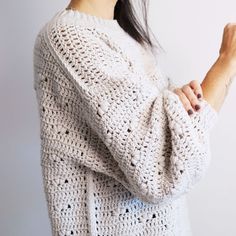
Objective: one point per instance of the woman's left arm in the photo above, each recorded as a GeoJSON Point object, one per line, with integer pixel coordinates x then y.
{"type": "Point", "coordinates": [215, 86]}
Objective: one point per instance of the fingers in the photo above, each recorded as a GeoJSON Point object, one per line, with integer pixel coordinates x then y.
{"type": "Point", "coordinates": [190, 95]}
{"type": "Point", "coordinates": [196, 86]}
{"type": "Point", "coordinates": [184, 100]}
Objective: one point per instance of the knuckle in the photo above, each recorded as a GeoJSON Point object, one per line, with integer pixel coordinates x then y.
{"type": "Point", "coordinates": [194, 82]}
{"type": "Point", "coordinates": [177, 90]}
{"type": "Point", "coordinates": [185, 87]}
{"type": "Point", "coordinates": [186, 104]}
{"type": "Point", "coordinates": [193, 100]}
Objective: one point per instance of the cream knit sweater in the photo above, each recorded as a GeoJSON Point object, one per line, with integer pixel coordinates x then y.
{"type": "Point", "coordinates": [118, 150]}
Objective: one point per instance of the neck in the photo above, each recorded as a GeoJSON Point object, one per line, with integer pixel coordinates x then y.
{"type": "Point", "coordinates": [101, 8]}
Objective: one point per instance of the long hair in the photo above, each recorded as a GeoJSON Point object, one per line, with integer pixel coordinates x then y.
{"type": "Point", "coordinates": [126, 15]}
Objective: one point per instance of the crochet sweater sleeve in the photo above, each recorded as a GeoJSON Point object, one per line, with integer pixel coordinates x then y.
{"type": "Point", "coordinates": [129, 115]}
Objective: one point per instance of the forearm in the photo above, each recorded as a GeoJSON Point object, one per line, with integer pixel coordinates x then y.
{"type": "Point", "coordinates": [217, 82]}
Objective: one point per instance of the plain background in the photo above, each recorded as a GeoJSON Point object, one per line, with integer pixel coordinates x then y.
{"type": "Point", "coordinates": [190, 32]}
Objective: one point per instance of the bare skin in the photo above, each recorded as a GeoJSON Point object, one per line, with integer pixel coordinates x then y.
{"type": "Point", "coordinates": [214, 87]}
{"type": "Point", "coordinates": [101, 8]}
{"type": "Point", "coordinates": [218, 79]}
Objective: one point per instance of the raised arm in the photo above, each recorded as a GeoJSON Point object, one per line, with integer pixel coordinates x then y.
{"type": "Point", "coordinates": [217, 82]}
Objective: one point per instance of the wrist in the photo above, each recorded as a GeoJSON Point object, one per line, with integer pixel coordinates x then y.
{"type": "Point", "coordinates": [226, 66]}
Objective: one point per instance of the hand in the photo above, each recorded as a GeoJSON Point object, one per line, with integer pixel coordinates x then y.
{"type": "Point", "coordinates": [228, 48]}
{"type": "Point", "coordinates": [190, 94]}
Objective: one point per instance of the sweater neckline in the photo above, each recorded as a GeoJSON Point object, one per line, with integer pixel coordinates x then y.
{"type": "Point", "coordinates": [89, 18]}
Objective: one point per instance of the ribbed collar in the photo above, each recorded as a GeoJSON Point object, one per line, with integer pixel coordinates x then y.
{"type": "Point", "coordinates": [88, 18]}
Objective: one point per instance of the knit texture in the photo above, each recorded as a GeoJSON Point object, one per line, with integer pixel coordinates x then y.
{"type": "Point", "coordinates": [119, 151]}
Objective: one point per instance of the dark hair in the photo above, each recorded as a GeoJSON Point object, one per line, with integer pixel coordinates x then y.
{"type": "Point", "coordinates": [126, 15]}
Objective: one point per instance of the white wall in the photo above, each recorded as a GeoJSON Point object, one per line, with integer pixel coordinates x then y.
{"type": "Point", "coordinates": [22, 203]}
{"type": "Point", "coordinates": [189, 31]}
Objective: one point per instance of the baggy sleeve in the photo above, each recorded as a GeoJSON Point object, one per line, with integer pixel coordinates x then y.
{"type": "Point", "coordinates": [160, 149]}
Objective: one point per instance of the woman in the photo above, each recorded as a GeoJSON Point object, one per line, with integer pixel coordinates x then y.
{"type": "Point", "coordinates": [121, 145]}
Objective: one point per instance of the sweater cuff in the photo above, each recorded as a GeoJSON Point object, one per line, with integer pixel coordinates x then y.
{"type": "Point", "coordinates": [207, 117]}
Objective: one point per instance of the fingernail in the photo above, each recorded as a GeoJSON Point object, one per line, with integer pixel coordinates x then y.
{"type": "Point", "coordinates": [190, 111]}
{"type": "Point", "coordinates": [199, 95]}
{"type": "Point", "coordinates": [197, 107]}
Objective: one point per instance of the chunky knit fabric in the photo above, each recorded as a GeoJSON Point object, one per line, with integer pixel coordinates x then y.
{"type": "Point", "coordinates": [119, 151]}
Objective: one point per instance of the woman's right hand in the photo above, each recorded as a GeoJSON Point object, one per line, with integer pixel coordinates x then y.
{"type": "Point", "coordinates": [228, 48]}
